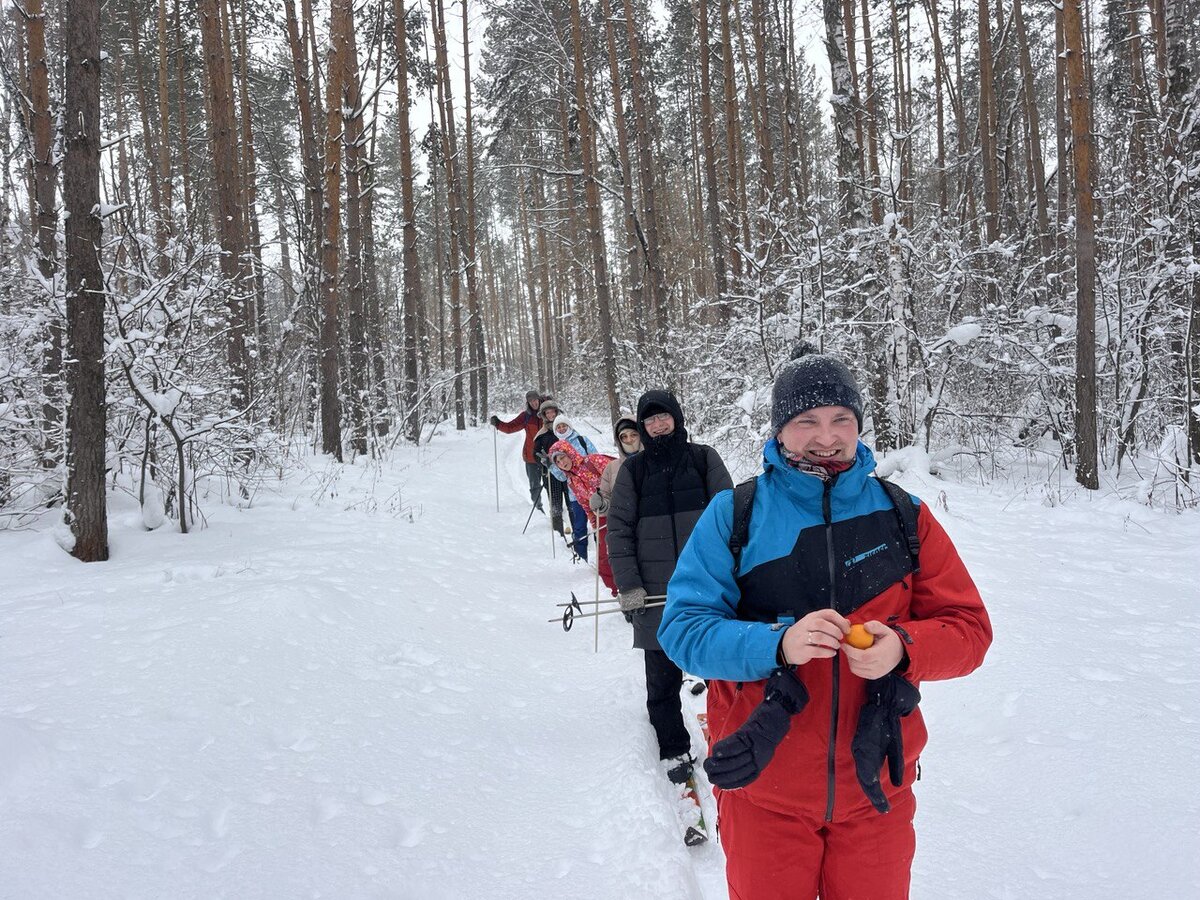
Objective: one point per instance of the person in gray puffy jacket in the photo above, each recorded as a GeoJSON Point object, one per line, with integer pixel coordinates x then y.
{"type": "Point", "coordinates": [658, 497]}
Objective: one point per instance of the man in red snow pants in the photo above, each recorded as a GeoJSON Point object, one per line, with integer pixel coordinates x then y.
{"type": "Point", "coordinates": [814, 740]}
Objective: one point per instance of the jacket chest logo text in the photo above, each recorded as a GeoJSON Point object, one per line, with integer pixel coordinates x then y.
{"type": "Point", "coordinates": [855, 560]}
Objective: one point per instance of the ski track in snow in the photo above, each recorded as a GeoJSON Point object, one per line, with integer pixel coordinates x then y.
{"type": "Point", "coordinates": [311, 700]}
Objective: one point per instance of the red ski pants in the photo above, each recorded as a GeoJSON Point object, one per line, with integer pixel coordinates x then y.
{"type": "Point", "coordinates": [771, 856]}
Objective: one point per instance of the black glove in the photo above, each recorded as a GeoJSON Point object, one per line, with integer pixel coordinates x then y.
{"type": "Point", "coordinates": [879, 738]}
{"type": "Point", "coordinates": [737, 760]}
{"type": "Point", "coordinates": [495, 420]}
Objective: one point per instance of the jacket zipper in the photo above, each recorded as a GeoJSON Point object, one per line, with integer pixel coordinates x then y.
{"type": "Point", "coordinates": [826, 508]}
{"type": "Point", "coordinates": [671, 505]}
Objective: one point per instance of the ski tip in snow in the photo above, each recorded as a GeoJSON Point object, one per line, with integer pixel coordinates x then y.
{"type": "Point", "coordinates": [691, 814]}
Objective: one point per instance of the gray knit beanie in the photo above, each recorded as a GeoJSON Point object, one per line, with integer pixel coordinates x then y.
{"type": "Point", "coordinates": [810, 379]}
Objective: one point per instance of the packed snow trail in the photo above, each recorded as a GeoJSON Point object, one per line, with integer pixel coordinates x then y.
{"type": "Point", "coordinates": [304, 700]}
{"type": "Point", "coordinates": [350, 689]}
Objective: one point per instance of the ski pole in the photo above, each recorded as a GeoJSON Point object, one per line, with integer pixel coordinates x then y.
{"type": "Point", "coordinates": [575, 603]}
{"type": "Point", "coordinates": [496, 468]}
{"type": "Point", "coordinates": [596, 544]}
{"type": "Point", "coordinates": [569, 615]}
{"type": "Point", "coordinates": [529, 518]}
{"type": "Point", "coordinates": [550, 503]}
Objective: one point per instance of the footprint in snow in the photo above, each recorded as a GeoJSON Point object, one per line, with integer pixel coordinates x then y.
{"type": "Point", "coordinates": [326, 810]}
{"type": "Point", "coordinates": [299, 740]}
{"type": "Point", "coordinates": [88, 836]}
{"type": "Point", "coordinates": [218, 823]}
{"type": "Point", "coordinates": [411, 833]}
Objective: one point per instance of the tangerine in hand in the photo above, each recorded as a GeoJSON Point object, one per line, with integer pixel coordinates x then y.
{"type": "Point", "coordinates": [859, 637]}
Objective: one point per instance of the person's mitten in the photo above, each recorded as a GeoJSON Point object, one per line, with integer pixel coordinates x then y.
{"type": "Point", "coordinates": [495, 420]}
{"type": "Point", "coordinates": [632, 599]}
{"type": "Point", "coordinates": [879, 736]}
{"type": "Point", "coordinates": [737, 760]}
{"type": "Point", "coordinates": [598, 504]}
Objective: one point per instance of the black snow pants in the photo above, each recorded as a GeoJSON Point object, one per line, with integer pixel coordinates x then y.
{"type": "Point", "coordinates": [664, 680]}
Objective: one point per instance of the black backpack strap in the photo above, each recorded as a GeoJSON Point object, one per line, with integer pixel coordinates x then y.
{"type": "Point", "coordinates": [906, 511]}
{"type": "Point", "coordinates": [743, 505]}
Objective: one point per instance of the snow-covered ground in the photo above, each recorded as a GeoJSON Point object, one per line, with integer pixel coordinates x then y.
{"type": "Point", "coordinates": [351, 690]}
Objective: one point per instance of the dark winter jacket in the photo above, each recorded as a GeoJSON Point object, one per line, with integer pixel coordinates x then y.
{"type": "Point", "coordinates": [814, 545]}
{"type": "Point", "coordinates": [658, 497]}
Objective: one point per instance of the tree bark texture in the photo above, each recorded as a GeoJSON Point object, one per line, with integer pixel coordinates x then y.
{"type": "Point", "coordinates": [84, 511]}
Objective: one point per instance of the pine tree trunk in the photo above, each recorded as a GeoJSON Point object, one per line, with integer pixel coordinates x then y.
{"type": "Point", "coordinates": [411, 258]}
{"type": "Point", "coordinates": [595, 226]}
{"type": "Point", "coordinates": [845, 132]}
{"type": "Point", "coordinates": [733, 206]}
{"type": "Point", "coordinates": [356, 334]}
{"type": "Point", "coordinates": [84, 510]}
{"type": "Point", "coordinates": [540, 339]}
{"type": "Point", "coordinates": [228, 206]}
{"type": "Point", "coordinates": [479, 398]}
{"type": "Point", "coordinates": [1035, 133]}
{"type": "Point", "coordinates": [643, 130]}
{"type": "Point", "coordinates": [570, 249]}
{"type": "Point", "coordinates": [871, 115]}
{"type": "Point", "coordinates": [633, 245]}
{"type": "Point", "coordinates": [766, 148]}
{"type": "Point", "coordinates": [250, 196]}
{"type": "Point", "coordinates": [550, 336]}
{"type": "Point", "coordinates": [1061, 131]}
{"type": "Point", "coordinates": [331, 297]}
{"type": "Point", "coordinates": [987, 127]}
{"type": "Point", "coordinates": [709, 145]}
{"type": "Point", "coordinates": [150, 139]}
{"type": "Point", "coordinates": [457, 251]}
{"type": "Point", "coordinates": [164, 120]}
{"type": "Point", "coordinates": [185, 165]}
{"type": "Point", "coordinates": [1086, 472]}
{"type": "Point", "coordinates": [45, 223]}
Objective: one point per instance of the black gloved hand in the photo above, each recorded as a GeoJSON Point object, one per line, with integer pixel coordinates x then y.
{"type": "Point", "coordinates": [495, 420]}
{"type": "Point", "coordinates": [737, 760]}
{"type": "Point", "coordinates": [879, 737]}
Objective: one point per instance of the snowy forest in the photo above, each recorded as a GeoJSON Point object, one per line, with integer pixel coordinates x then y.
{"type": "Point", "coordinates": [232, 230]}
{"type": "Point", "coordinates": [270, 270]}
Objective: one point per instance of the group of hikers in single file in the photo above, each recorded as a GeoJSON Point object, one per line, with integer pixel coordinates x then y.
{"type": "Point", "coordinates": [814, 730]}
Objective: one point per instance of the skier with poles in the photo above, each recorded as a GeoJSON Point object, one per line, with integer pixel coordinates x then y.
{"type": "Point", "coordinates": [529, 422]}
{"type": "Point", "coordinates": [805, 710]}
{"type": "Point", "coordinates": [657, 499]}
